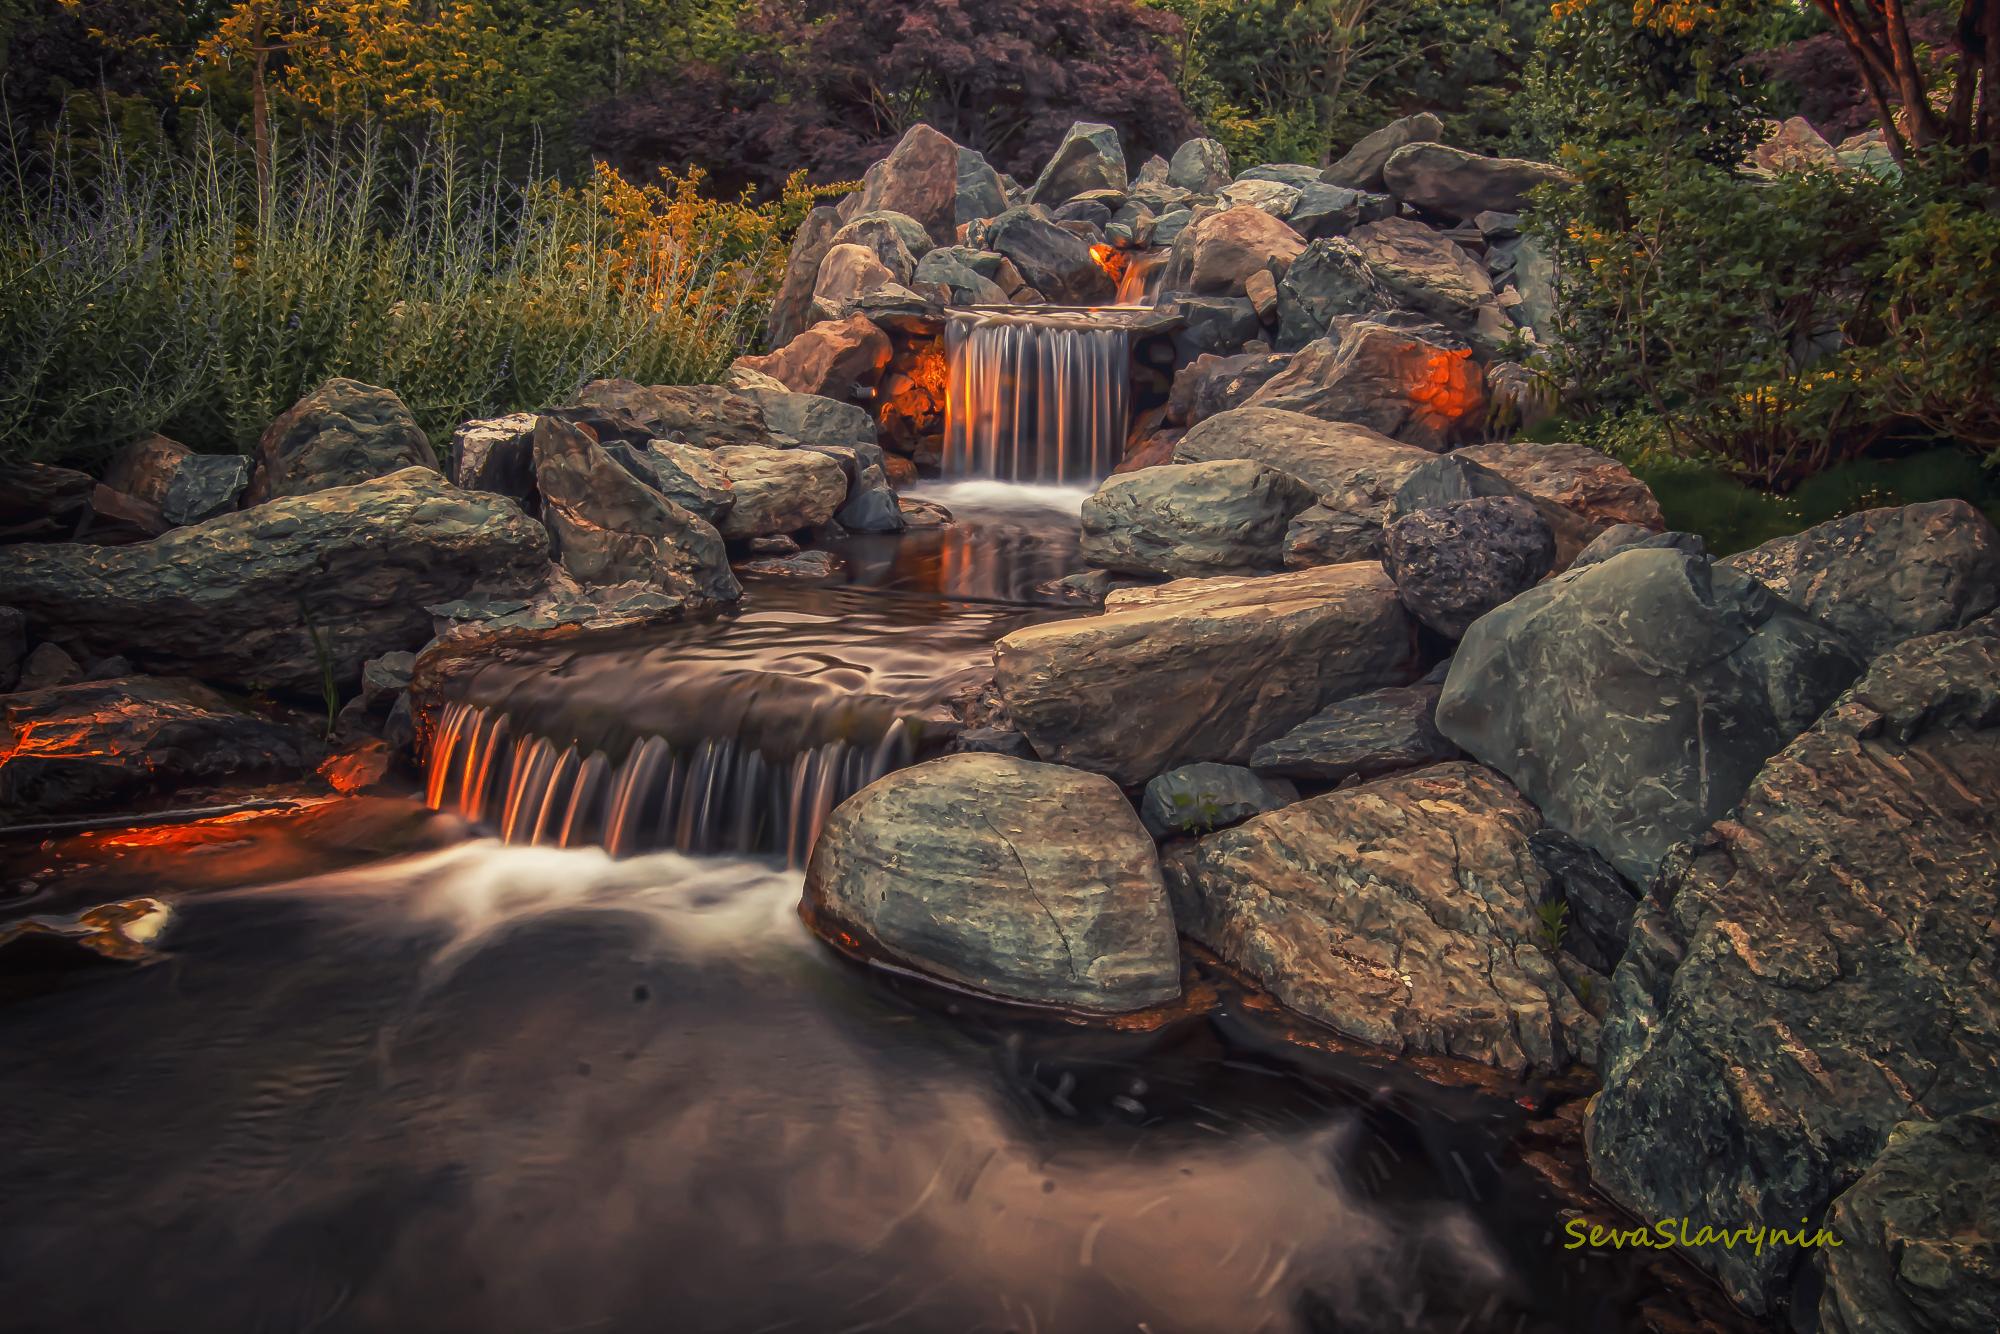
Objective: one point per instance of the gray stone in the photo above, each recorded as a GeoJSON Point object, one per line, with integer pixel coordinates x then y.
{"type": "Point", "coordinates": [1329, 535]}
{"type": "Point", "coordinates": [1813, 971]}
{"type": "Point", "coordinates": [1211, 384]}
{"type": "Point", "coordinates": [1455, 563]}
{"type": "Point", "coordinates": [1330, 278]}
{"type": "Point", "coordinates": [1202, 798]}
{"type": "Point", "coordinates": [1361, 168]}
{"type": "Point", "coordinates": [1627, 536]}
{"type": "Point", "coordinates": [608, 527]}
{"type": "Point", "coordinates": [1168, 226]}
{"type": "Point", "coordinates": [1332, 210]}
{"type": "Point", "coordinates": [1634, 700]}
{"type": "Point", "coordinates": [1885, 575]}
{"type": "Point", "coordinates": [1598, 903]}
{"type": "Point", "coordinates": [341, 433]}
{"type": "Point", "coordinates": [1213, 326]}
{"type": "Point", "coordinates": [1445, 480]}
{"type": "Point", "coordinates": [779, 490]}
{"type": "Point", "coordinates": [1026, 881]}
{"type": "Point", "coordinates": [951, 267]}
{"type": "Point", "coordinates": [1580, 479]}
{"type": "Point", "coordinates": [205, 486]}
{"type": "Point", "coordinates": [1199, 165]}
{"type": "Point", "coordinates": [689, 476]}
{"type": "Point", "coordinates": [930, 178]}
{"type": "Point", "coordinates": [1270, 197]}
{"type": "Point", "coordinates": [871, 505]}
{"type": "Point", "coordinates": [813, 419]}
{"type": "Point", "coordinates": [1365, 736]}
{"type": "Point", "coordinates": [496, 454]}
{"type": "Point", "coordinates": [1408, 387]}
{"type": "Point", "coordinates": [1401, 912]}
{"type": "Point", "coordinates": [1426, 272]}
{"type": "Point", "coordinates": [1087, 211]}
{"type": "Point", "coordinates": [240, 599]}
{"type": "Point", "coordinates": [1089, 158]}
{"type": "Point", "coordinates": [897, 240]}
{"type": "Point", "coordinates": [699, 414]}
{"type": "Point", "coordinates": [1202, 669]}
{"type": "Point", "coordinates": [1333, 458]}
{"type": "Point", "coordinates": [791, 310]}
{"type": "Point", "coordinates": [1054, 262]}
{"type": "Point", "coordinates": [1458, 184]}
{"type": "Point", "coordinates": [1227, 517]}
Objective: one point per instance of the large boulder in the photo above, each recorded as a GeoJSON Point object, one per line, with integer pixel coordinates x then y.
{"type": "Point", "coordinates": [185, 487]}
{"type": "Point", "coordinates": [835, 359]}
{"type": "Point", "coordinates": [1199, 165]}
{"type": "Point", "coordinates": [897, 239]}
{"type": "Point", "coordinates": [849, 273]}
{"type": "Point", "coordinates": [779, 490]}
{"type": "Point", "coordinates": [253, 598]}
{"type": "Point", "coordinates": [1884, 575]}
{"type": "Point", "coordinates": [812, 419]}
{"type": "Point", "coordinates": [1055, 262]}
{"type": "Point", "coordinates": [1331, 278]}
{"type": "Point", "coordinates": [1427, 272]}
{"type": "Point", "coordinates": [1577, 477]}
{"type": "Point", "coordinates": [1210, 384]}
{"type": "Point", "coordinates": [700, 414]}
{"type": "Point", "coordinates": [608, 527]}
{"type": "Point", "coordinates": [1227, 517]}
{"type": "Point", "coordinates": [1633, 701]}
{"type": "Point", "coordinates": [1458, 184]}
{"type": "Point", "coordinates": [1364, 736]}
{"type": "Point", "coordinates": [1813, 971]}
{"type": "Point", "coordinates": [1454, 563]}
{"type": "Point", "coordinates": [1402, 912]}
{"type": "Point", "coordinates": [688, 475]}
{"type": "Point", "coordinates": [1326, 534]}
{"type": "Point", "coordinates": [930, 178]}
{"type": "Point", "coordinates": [1335, 459]}
{"type": "Point", "coordinates": [1917, 1234]}
{"type": "Point", "coordinates": [1409, 388]}
{"type": "Point", "coordinates": [1361, 168]}
{"type": "Point", "coordinates": [1202, 669]}
{"type": "Point", "coordinates": [496, 454]}
{"type": "Point", "coordinates": [1026, 881]}
{"type": "Point", "coordinates": [1214, 255]}
{"type": "Point", "coordinates": [79, 747]}
{"type": "Point", "coordinates": [1332, 210]}
{"type": "Point", "coordinates": [341, 433]}
{"type": "Point", "coordinates": [791, 309]}
{"type": "Point", "coordinates": [1088, 158]}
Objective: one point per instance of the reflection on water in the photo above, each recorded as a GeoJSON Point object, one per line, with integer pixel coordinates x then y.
{"type": "Point", "coordinates": [1007, 540]}
{"type": "Point", "coordinates": [496, 1089]}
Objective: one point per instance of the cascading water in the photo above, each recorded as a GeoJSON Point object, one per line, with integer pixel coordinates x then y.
{"type": "Point", "coordinates": [1036, 396]}
{"type": "Point", "coordinates": [1139, 281]}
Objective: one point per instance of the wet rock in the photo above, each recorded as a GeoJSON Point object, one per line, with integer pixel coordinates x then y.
{"type": "Point", "coordinates": [1227, 517]}
{"type": "Point", "coordinates": [1454, 563]}
{"type": "Point", "coordinates": [1202, 798]}
{"type": "Point", "coordinates": [47, 665]}
{"type": "Point", "coordinates": [86, 745]}
{"type": "Point", "coordinates": [804, 565]}
{"type": "Point", "coordinates": [231, 598]}
{"type": "Point", "coordinates": [1916, 1233]}
{"type": "Point", "coordinates": [923, 513]}
{"type": "Point", "coordinates": [792, 308]}
{"type": "Point", "coordinates": [111, 933]}
{"type": "Point", "coordinates": [1333, 458]}
{"type": "Point", "coordinates": [1598, 903]}
{"type": "Point", "coordinates": [700, 414]}
{"type": "Point", "coordinates": [1212, 384]}
{"type": "Point", "coordinates": [1026, 881]}
{"type": "Point", "coordinates": [836, 359]}
{"type": "Point", "coordinates": [1202, 669]}
{"type": "Point", "coordinates": [779, 490]}
{"type": "Point", "coordinates": [992, 741]}
{"type": "Point", "coordinates": [1458, 184]}
{"type": "Point", "coordinates": [1328, 535]}
{"type": "Point", "coordinates": [1389, 380]}
{"type": "Point", "coordinates": [496, 454]}
{"type": "Point", "coordinates": [1330, 279]}
{"type": "Point", "coordinates": [608, 527]}
{"type": "Point", "coordinates": [1216, 253]}
{"type": "Point", "coordinates": [1361, 167]}
{"type": "Point", "coordinates": [1089, 158]}
{"type": "Point", "coordinates": [1885, 575]}
{"type": "Point", "coordinates": [871, 505]}
{"type": "Point", "coordinates": [1815, 970]}
{"type": "Point", "coordinates": [13, 646]}
{"type": "Point", "coordinates": [1054, 262]}
{"type": "Point", "coordinates": [1365, 736]}
{"type": "Point", "coordinates": [341, 433]}
{"type": "Point", "coordinates": [1200, 165]}
{"type": "Point", "coordinates": [1425, 272]}
{"type": "Point", "coordinates": [1401, 912]}
{"type": "Point", "coordinates": [1594, 485]}
{"type": "Point", "coordinates": [1628, 536]}
{"type": "Point", "coordinates": [1634, 700]}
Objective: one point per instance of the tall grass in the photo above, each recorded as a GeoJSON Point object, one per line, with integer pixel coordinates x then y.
{"type": "Point", "coordinates": [148, 291]}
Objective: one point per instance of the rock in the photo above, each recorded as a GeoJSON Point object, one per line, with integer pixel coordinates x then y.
{"type": "Point", "coordinates": [1916, 1233]}
{"type": "Point", "coordinates": [1227, 517]}
{"type": "Point", "coordinates": [608, 527]}
{"type": "Point", "coordinates": [1168, 226]}
{"type": "Point", "coordinates": [341, 433]}
{"type": "Point", "coordinates": [1202, 669]}
{"type": "Point", "coordinates": [83, 746]}
{"type": "Point", "coordinates": [1886, 575]}
{"type": "Point", "coordinates": [1520, 399]}
{"type": "Point", "coordinates": [41, 502]}
{"type": "Point", "coordinates": [1217, 253]}
{"type": "Point", "coordinates": [1401, 912]}
{"type": "Point", "coordinates": [204, 487]}
{"type": "Point", "coordinates": [1330, 279]}
{"type": "Point", "coordinates": [1087, 211]}
{"type": "Point", "coordinates": [1445, 480]}
{"type": "Point", "coordinates": [700, 414]}
{"type": "Point", "coordinates": [1211, 384]}
{"type": "Point", "coordinates": [1026, 881]}
{"type": "Point", "coordinates": [1200, 165]}
{"type": "Point", "coordinates": [1089, 158]}
{"type": "Point", "coordinates": [791, 310]}
{"type": "Point", "coordinates": [689, 476]}
{"type": "Point", "coordinates": [1331, 210]}
{"type": "Point", "coordinates": [1328, 535]}
{"type": "Point", "coordinates": [1458, 184]}
{"type": "Point", "coordinates": [1202, 798]}
{"type": "Point", "coordinates": [496, 454]}
{"type": "Point", "coordinates": [992, 741]}
{"type": "Point", "coordinates": [1271, 197]}
{"type": "Point", "coordinates": [110, 933]}
{"type": "Point", "coordinates": [13, 646]}
{"type": "Point", "coordinates": [1052, 261]}
{"type": "Point", "coordinates": [811, 419]}
{"type": "Point", "coordinates": [950, 266]}
{"type": "Point", "coordinates": [836, 359]}
{"type": "Point", "coordinates": [1333, 458]}
{"type": "Point", "coordinates": [47, 665]}
{"type": "Point", "coordinates": [803, 565]}
{"type": "Point", "coordinates": [1794, 145]}
{"type": "Point", "coordinates": [144, 468]}
{"type": "Point", "coordinates": [1454, 563]}
{"type": "Point", "coordinates": [1389, 380]}
{"type": "Point", "coordinates": [1815, 970]}
{"type": "Point", "coordinates": [1580, 479]}
{"type": "Point", "coordinates": [1218, 326]}
{"type": "Point", "coordinates": [931, 179]}
{"type": "Point", "coordinates": [1598, 904]}
{"type": "Point", "coordinates": [779, 490]}
{"type": "Point", "coordinates": [1262, 290]}
{"type": "Point", "coordinates": [896, 239]}
{"type": "Point", "coordinates": [1869, 151]}
{"type": "Point", "coordinates": [1626, 536]}
{"type": "Point", "coordinates": [1365, 736]}
{"type": "Point", "coordinates": [1361, 168]}
{"type": "Point", "coordinates": [231, 598]}
{"type": "Point", "coordinates": [871, 506]}
{"type": "Point", "coordinates": [1634, 700]}
{"type": "Point", "coordinates": [982, 191]}
{"type": "Point", "coordinates": [1425, 272]}
{"type": "Point", "coordinates": [848, 273]}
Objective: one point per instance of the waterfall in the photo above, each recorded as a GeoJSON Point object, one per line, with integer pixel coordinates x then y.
{"type": "Point", "coordinates": [1139, 284]}
{"type": "Point", "coordinates": [1035, 396]}
{"type": "Point", "coordinates": [719, 794]}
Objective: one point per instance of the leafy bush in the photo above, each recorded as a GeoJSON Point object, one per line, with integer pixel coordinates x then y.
{"type": "Point", "coordinates": [142, 293]}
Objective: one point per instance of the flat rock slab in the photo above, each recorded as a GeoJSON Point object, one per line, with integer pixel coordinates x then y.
{"type": "Point", "coordinates": [1401, 912]}
{"type": "Point", "coordinates": [1026, 881]}
{"type": "Point", "coordinates": [1202, 669]}
{"type": "Point", "coordinates": [779, 490]}
{"type": "Point", "coordinates": [1366, 736]}
{"type": "Point", "coordinates": [1226, 517]}
{"type": "Point", "coordinates": [1350, 466]}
